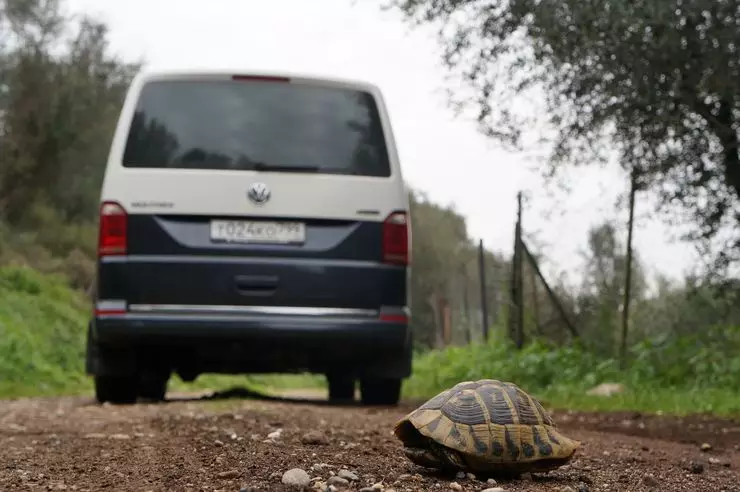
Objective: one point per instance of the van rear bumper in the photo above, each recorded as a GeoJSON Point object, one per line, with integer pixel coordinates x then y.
{"type": "Point", "coordinates": [258, 343]}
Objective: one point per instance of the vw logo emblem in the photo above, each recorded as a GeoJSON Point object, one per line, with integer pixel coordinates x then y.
{"type": "Point", "coordinates": [259, 193]}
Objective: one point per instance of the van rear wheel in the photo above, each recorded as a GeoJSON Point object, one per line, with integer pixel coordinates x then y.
{"type": "Point", "coordinates": [115, 389]}
{"type": "Point", "coordinates": [153, 386]}
{"type": "Point", "coordinates": [341, 389]}
{"type": "Point", "coordinates": [381, 391]}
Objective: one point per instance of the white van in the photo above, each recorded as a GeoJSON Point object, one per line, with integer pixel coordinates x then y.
{"type": "Point", "coordinates": [251, 223]}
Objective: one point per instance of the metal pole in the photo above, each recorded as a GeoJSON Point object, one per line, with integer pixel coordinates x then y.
{"type": "Point", "coordinates": [628, 275]}
{"type": "Point", "coordinates": [483, 292]}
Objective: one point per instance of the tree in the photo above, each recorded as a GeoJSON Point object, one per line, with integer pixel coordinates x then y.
{"type": "Point", "coordinates": [61, 93]}
{"type": "Point", "coordinates": [655, 83]}
{"type": "Point", "coordinates": [601, 295]}
{"type": "Point", "coordinates": [439, 241]}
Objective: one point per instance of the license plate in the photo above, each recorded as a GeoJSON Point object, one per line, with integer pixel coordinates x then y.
{"type": "Point", "coordinates": [243, 231]}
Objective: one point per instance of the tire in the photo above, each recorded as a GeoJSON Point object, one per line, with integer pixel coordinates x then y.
{"type": "Point", "coordinates": [153, 386]}
{"type": "Point", "coordinates": [341, 389]}
{"type": "Point", "coordinates": [115, 389]}
{"type": "Point", "coordinates": [381, 391]}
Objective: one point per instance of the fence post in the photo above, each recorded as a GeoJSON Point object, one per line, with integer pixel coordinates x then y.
{"type": "Point", "coordinates": [628, 274]}
{"type": "Point", "coordinates": [483, 290]}
{"type": "Point", "coordinates": [516, 318]}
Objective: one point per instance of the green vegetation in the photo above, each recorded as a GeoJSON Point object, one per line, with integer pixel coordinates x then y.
{"type": "Point", "coordinates": [678, 376]}
{"type": "Point", "coordinates": [42, 334]}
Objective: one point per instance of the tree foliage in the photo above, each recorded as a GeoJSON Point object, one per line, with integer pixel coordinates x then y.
{"type": "Point", "coordinates": [654, 82]}
{"type": "Point", "coordinates": [61, 93]}
{"type": "Point", "coordinates": [600, 299]}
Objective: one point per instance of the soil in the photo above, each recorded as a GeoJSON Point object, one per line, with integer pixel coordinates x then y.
{"type": "Point", "coordinates": [220, 442]}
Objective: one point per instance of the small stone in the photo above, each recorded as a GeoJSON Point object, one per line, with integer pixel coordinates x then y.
{"type": "Point", "coordinates": [650, 481]}
{"type": "Point", "coordinates": [706, 447]}
{"type": "Point", "coordinates": [582, 487]}
{"type": "Point", "coordinates": [456, 486]}
{"type": "Point", "coordinates": [120, 437]}
{"type": "Point", "coordinates": [714, 461]}
{"type": "Point", "coordinates": [494, 489]}
{"type": "Point", "coordinates": [367, 489]}
{"type": "Point", "coordinates": [218, 443]}
{"type": "Point", "coordinates": [527, 476]}
{"type": "Point", "coordinates": [274, 435]}
{"type": "Point", "coordinates": [228, 474]}
{"type": "Point", "coordinates": [315, 438]}
{"type": "Point", "coordinates": [338, 481]}
{"type": "Point", "coordinates": [567, 488]}
{"type": "Point", "coordinates": [348, 475]}
{"type": "Point", "coordinates": [491, 481]}
{"type": "Point", "coordinates": [696, 468]}
{"type": "Point", "coordinates": [470, 476]}
{"type": "Point", "coordinates": [460, 475]}
{"type": "Point", "coordinates": [95, 435]}
{"type": "Point", "coordinates": [297, 477]}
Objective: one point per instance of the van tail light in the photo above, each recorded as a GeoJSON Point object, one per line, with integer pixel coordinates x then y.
{"type": "Point", "coordinates": [113, 233]}
{"type": "Point", "coordinates": [396, 239]}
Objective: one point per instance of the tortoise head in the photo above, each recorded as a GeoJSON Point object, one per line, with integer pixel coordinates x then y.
{"type": "Point", "coordinates": [424, 451]}
{"type": "Point", "coordinates": [436, 456]}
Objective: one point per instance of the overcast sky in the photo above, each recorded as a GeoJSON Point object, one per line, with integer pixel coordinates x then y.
{"type": "Point", "coordinates": [441, 155]}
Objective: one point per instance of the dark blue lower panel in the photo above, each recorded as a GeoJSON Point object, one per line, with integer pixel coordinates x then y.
{"type": "Point", "coordinates": [256, 344]}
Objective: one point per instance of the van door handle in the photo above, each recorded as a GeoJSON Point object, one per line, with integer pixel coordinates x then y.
{"type": "Point", "coordinates": [256, 285]}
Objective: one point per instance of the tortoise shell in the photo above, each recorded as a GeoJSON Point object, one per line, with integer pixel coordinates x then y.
{"type": "Point", "coordinates": [484, 426]}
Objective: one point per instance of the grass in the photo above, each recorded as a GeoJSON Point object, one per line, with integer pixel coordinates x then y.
{"type": "Point", "coordinates": [42, 345]}
{"type": "Point", "coordinates": [678, 377]}
{"type": "Point", "coordinates": [42, 335]}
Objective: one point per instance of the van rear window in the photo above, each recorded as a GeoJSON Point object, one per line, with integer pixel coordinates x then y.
{"type": "Point", "coordinates": [256, 125]}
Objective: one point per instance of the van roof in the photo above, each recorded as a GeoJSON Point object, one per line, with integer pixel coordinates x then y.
{"type": "Point", "coordinates": [152, 74]}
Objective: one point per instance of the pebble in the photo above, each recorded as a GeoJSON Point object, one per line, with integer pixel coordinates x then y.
{"type": "Point", "coordinates": [314, 438]}
{"type": "Point", "coordinates": [95, 435]}
{"type": "Point", "coordinates": [348, 475]}
{"type": "Point", "coordinates": [456, 486]}
{"type": "Point", "coordinates": [297, 477]}
{"type": "Point", "coordinates": [460, 475]}
{"type": "Point", "coordinates": [228, 474]}
{"type": "Point", "coordinates": [275, 434]}
{"type": "Point", "coordinates": [696, 468]}
{"type": "Point", "coordinates": [494, 489]}
{"type": "Point", "coordinates": [338, 481]}
{"type": "Point", "coordinates": [120, 437]}
{"type": "Point", "coordinates": [650, 481]}
{"type": "Point", "coordinates": [491, 481]}
{"type": "Point", "coordinates": [706, 447]}
{"type": "Point", "coordinates": [582, 487]}
{"type": "Point", "coordinates": [567, 488]}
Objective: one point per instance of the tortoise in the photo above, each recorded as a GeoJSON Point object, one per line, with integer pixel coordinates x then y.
{"type": "Point", "coordinates": [485, 427]}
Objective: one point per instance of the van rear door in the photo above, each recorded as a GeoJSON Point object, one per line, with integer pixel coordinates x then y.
{"type": "Point", "coordinates": [254, 191]}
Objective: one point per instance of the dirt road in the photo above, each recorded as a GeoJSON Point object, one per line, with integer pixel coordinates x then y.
{"type": "Point", "coordinates": [222, 444]}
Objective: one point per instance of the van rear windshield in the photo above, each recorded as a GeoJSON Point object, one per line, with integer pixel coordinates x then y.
{"type": "Point", "coordinates": [257, 125]}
